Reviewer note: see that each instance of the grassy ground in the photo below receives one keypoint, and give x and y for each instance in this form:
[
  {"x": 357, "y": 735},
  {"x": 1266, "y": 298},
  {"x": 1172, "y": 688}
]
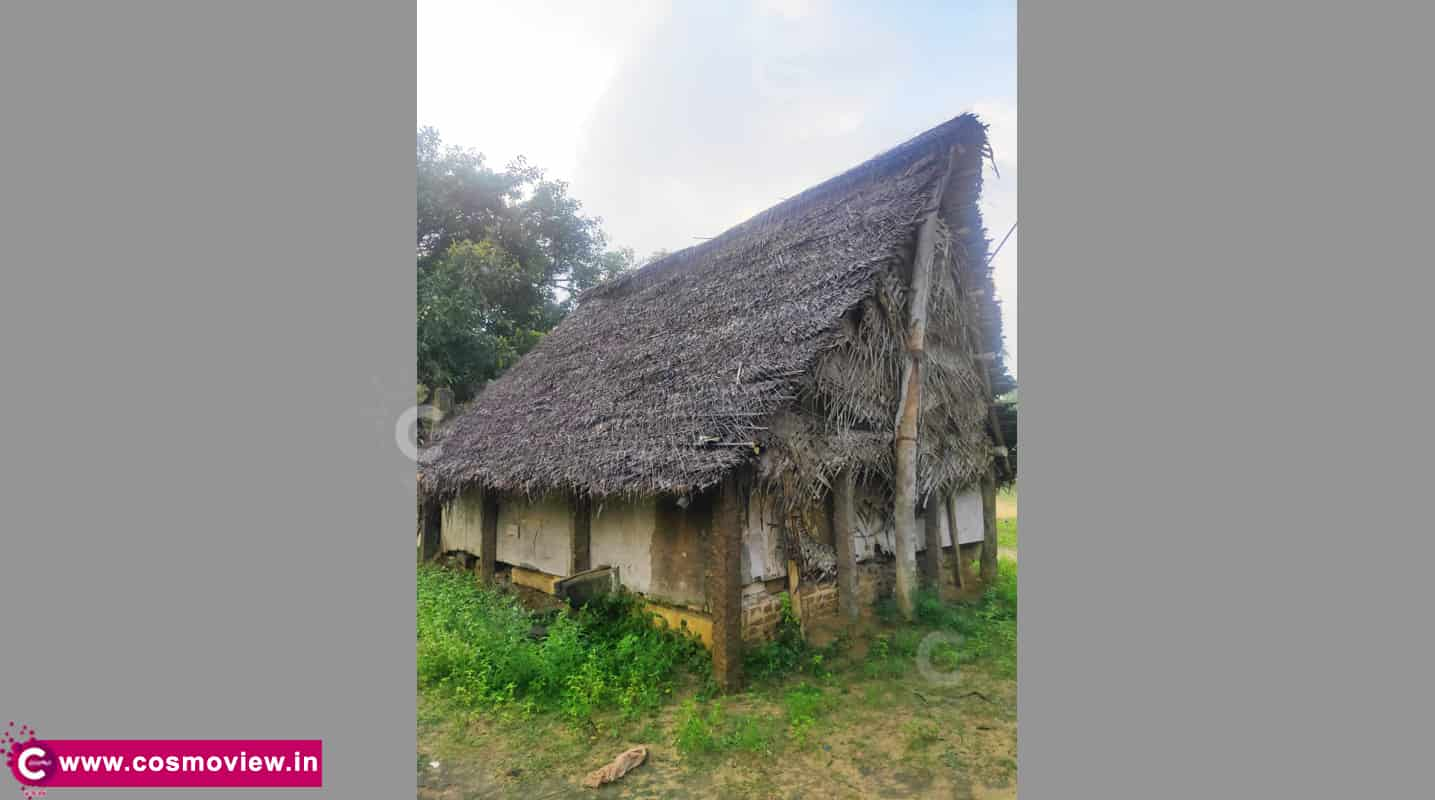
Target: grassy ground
[
  {"x": 502, "y": 714},
  {"x": 1006, "y": 521}
]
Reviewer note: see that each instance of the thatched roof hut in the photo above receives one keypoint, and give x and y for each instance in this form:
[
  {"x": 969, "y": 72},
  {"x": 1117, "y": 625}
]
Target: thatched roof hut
[
  {"x": 777, "y": 342},
  {"x": 831, "y": 363}
]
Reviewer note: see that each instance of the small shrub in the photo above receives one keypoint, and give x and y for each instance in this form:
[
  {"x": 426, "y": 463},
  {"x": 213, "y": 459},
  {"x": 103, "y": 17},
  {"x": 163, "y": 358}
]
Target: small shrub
[
  {"x": 881, "y": 661},
  {"x": 905, "y": 642},
  {"x": 709, "y": 731},
  {"x": 750, "y": 735},
  {"x": 921, "y": 733},
  {"x": 887, "y": 611},
  {"x": 805, "y": 705},
  {"x": 783, "y": 653},
  {"x": 697, "y": 730}
]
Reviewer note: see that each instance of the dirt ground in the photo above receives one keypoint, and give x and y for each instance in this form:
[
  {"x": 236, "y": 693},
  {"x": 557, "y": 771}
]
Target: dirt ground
[
  {"x": 1006, "y": 504},
  {"x": 886, "y": 738}
]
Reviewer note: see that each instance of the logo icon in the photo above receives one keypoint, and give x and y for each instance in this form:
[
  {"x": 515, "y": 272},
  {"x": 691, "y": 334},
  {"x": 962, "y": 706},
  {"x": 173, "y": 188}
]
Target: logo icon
[
  {"x": 34, "y": 762},
  {"x": 31, "y": 761}
]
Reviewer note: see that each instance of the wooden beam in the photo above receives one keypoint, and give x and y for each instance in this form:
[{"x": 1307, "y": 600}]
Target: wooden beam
[
  {"x": 793, "y": 581},
  {"x": 724, "y": 587},
  {"x": 431, "y": 530},
  {"x": 843, "y": 529},
  {"x": 488, "y": 546},
  {"x": 909, "y": 415},
  {"x": 956, "y": 538},
  {"x": 582, "y": 532},
  {"x": 989, "y": 526},
  {"x": 932, "y": 557}
]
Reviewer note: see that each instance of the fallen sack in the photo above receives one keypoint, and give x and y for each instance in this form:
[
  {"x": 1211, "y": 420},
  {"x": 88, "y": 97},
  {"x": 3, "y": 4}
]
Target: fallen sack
[{"x": 622, "y": 765}]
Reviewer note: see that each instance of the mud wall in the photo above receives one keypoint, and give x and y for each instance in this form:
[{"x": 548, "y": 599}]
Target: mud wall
[
  {"x": 461, "y": 523},
  {"x": 622, "y": 537},
  {"x": 536, "y": 533}
]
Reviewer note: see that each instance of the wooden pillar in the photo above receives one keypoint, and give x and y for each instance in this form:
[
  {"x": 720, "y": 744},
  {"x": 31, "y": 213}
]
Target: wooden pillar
[
  {"x": 960, "y": 568},
  {"x": 843, "y": 529},
  {"x": 724, "y": 589},
  {"x": 430, "y": 530},
  {"x": 488, "y": 547},
  {"x": 932, "y": 527},
  {"x": 582, "y": 532},
  {"x": 989, "y": 525},
  {"x": 794, "y": 593},
  {"x": 909, "y": 409}
]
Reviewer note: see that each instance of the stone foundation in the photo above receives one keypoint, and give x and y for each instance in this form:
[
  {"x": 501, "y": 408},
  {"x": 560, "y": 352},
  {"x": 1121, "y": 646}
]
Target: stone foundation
[
  {"x": 762, "y": 607},
  {"x": 761, "y": 611},
  {"x": 819, "y": 600}
]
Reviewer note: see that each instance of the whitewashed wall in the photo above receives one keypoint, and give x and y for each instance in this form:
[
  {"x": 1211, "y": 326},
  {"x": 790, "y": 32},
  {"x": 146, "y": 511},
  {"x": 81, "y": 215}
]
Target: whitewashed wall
[
  {"x": 461, "y": 523},
  {"x": 536, "y": 533},
  {"x": 762, "y": 554},
  {"x": 969, "y": 516},
  {"x": 621, "y": 535}
]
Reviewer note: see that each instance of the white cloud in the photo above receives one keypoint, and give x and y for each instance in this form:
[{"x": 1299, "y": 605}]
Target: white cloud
[
  {"x": 673, "y": 124},
  {"x": 511, "y": 79}
]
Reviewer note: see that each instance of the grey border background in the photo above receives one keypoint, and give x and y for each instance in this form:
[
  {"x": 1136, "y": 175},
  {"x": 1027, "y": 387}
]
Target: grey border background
[
  {"x": 206, "y": 313},
  {"x": 206, "y": 321},
  {"x": 1224, "y": 586}
]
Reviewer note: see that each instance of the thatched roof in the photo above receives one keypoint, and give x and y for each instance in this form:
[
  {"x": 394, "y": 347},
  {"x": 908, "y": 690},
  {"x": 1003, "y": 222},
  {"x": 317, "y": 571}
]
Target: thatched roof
[{"x": 659, "y": 379}]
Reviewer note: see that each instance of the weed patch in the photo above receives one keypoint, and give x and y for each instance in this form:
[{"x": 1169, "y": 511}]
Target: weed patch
[
  {"x": 986, "y": 625},
  {"x": 709, "y": 730},
  {"x": 476, "y": 649},
  {"x": 1006, "y": 534},
  {"x": 805, "y": 705},
  {"x": 921, "y": 734}
]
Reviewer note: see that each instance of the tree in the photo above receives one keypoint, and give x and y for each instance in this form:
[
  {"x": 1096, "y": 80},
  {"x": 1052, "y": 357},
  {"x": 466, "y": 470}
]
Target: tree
[{"x": 502, "y": 255}]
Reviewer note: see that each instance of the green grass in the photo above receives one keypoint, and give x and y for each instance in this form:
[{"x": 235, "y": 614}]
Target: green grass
[
  {"x": 707, "y": 729},
  {"x": 475, "y": 652},
  {"x": 605, "y": 678},
  {"x": 608, "y": 662},
  {"x": 921, "y": 734},
  {"x": 1006, "y": 534},
  {"x": 987, "y": 626}
]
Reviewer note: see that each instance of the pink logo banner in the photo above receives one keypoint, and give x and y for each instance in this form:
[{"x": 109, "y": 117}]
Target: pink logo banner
[{"x": 166, "y": 763}]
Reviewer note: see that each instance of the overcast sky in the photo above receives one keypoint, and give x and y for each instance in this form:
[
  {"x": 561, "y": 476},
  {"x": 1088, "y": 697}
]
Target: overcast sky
[{"x": 675, "y": 121}]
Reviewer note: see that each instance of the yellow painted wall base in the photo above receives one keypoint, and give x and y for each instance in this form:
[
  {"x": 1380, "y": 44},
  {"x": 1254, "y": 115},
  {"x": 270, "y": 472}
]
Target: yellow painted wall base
[
  {"x": 698, "y": 623},
  {"x": 534, "y": 579},
  {"x": 678, "y": 618}
]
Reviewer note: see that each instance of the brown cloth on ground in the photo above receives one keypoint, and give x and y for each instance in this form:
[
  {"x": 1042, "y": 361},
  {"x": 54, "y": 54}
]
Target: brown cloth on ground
[{"x": 620, "y": 766}]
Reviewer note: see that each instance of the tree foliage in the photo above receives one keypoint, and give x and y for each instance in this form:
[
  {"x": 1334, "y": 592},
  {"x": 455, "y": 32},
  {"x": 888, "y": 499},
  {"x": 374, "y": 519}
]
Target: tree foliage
[{"x": 501, "y": 256}]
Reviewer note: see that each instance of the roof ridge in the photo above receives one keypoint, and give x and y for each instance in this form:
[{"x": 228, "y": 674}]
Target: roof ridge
[{"x": 843, "y": 181}]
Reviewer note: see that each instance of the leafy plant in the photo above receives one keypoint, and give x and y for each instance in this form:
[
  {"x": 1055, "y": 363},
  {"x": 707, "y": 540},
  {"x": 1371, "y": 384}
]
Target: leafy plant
[
  {"x": 710, "y": 730},
  {"x": 921, "y": 733},
  {"x": 475, "y": 650},
  {"x": 784, "y": 652},
  {"x": 804, "y": 704}
]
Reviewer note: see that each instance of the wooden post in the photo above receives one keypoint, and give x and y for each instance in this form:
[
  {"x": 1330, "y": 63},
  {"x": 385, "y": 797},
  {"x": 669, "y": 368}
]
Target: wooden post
[
  {"x": 793, "y": 595},
  {"x": 909, "y": 413},
  {"x": 989, "y": 525},
  {"x": 932, "y": 558},
  {"x": 488, "y": 526},
  {"x": 724, "y": 589},
  {"x": 956, "y": 539},
  {"x": 843, "y": 528},
  {"x": 981, "y": 362},
  {"x": 430, "y": 530},
  {"x": 582, "y": 532}
]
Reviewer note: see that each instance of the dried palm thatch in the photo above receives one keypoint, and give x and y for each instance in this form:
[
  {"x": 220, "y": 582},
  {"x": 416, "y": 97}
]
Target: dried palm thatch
[{"x": 781, "y": 336}]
